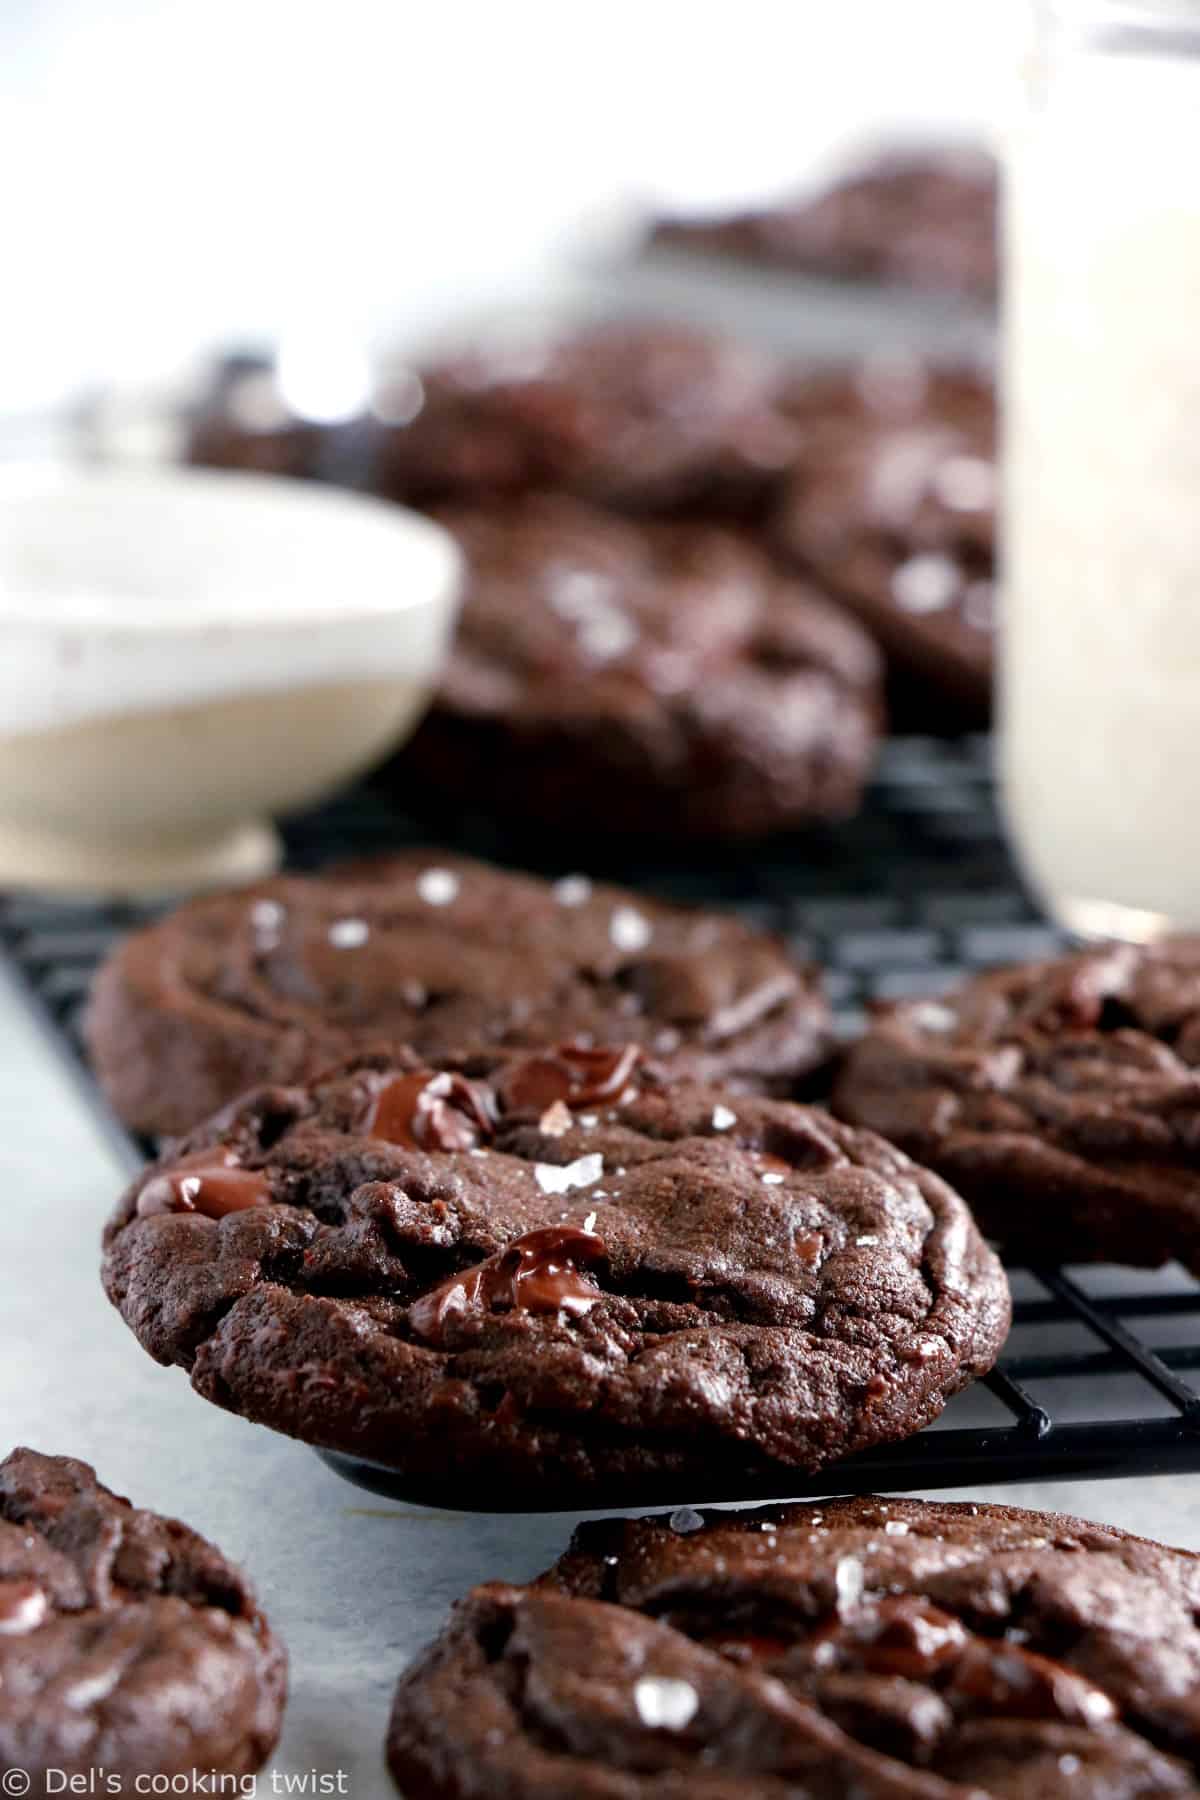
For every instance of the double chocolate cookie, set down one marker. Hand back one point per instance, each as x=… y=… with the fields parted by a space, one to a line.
x=556 y=1284
x=921 y=219
x=450 y=956
x=892 y=509
x=1061 y=1099
x=858 y=1648
x=129 y=1647
x=649 y=417
x=666 y=680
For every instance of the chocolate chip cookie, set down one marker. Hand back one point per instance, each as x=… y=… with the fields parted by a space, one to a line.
x=867 y=1648
x=651 y=417
x=556 y=1282
x=128 y=1644
x=451 y=956
x=919 y=219
x=1062 y=1099
x=892 y=510
x=664 y=680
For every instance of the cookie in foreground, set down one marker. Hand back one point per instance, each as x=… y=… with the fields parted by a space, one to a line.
x=858 y=1649
x=127 y=1643
x=556 y=1278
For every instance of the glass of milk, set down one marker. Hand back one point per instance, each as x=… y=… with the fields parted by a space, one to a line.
x=1100 y=684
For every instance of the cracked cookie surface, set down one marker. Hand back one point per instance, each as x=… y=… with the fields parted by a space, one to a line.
x=1061 y=1098
x=127 y=1642
x=858 y=1648
x=447 y=955
x=556 y=1275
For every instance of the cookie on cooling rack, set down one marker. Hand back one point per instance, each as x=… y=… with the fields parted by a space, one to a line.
x=1062 y=1099
x=891 y=509
x=557 y=1282
x=450 y=956
x=651 y=417
x=664 y=680
x=874 y=1648
x=909 y=218
x=128 y=1645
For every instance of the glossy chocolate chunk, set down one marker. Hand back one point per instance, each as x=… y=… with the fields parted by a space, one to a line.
x=539 y=1272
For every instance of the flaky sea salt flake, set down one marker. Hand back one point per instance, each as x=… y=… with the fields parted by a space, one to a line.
x=348 y=934
x=438 y=887
x=629 y=929
x=572 y=890
x=556 y=1178
x=685 y=1519
x=665 y=1703
x=848 y=1579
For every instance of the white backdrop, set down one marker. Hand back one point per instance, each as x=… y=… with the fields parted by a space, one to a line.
x=181 y=170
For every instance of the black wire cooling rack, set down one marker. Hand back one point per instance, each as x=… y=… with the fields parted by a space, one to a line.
x=1097 y=1378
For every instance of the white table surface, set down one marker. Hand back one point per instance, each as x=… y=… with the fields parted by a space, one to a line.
x=353 y=1585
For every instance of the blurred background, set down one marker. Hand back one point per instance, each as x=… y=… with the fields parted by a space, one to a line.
x=184 y=173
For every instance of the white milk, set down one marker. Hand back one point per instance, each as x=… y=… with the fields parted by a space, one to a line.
x=1101 y=667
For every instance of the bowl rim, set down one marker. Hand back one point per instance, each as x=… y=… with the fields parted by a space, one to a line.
x=434 y=580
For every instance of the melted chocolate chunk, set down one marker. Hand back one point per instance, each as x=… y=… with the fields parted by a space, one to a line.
x=907 y=1637
x=575 y=1074
x=206 y=1181
x=896 y=1636
x=752 y=1646
x=1015 y=1683
x=430 y=1110
x=537 y=1273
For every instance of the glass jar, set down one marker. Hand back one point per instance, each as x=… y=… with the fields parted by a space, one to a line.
x=1100 y=681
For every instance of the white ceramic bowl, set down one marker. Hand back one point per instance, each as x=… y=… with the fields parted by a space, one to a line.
x=184 y=654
